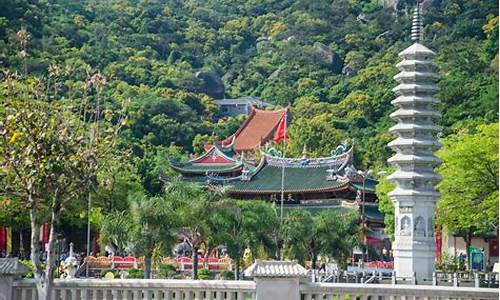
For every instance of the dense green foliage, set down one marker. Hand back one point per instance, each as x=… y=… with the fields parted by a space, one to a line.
x=469 y=189
x=150 y=52
x=332 y=61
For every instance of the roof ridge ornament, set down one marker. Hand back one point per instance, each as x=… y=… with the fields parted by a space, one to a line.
x=417 y=32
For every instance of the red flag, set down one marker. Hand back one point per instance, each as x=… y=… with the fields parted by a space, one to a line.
x=280 y=133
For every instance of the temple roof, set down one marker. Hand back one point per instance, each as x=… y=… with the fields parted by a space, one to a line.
x=216 y=159
x=297 y=180
x=257 y=129
x=301 y=175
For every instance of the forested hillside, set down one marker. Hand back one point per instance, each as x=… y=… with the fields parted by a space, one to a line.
x=333 y=61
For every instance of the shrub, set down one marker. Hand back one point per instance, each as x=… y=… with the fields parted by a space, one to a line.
x=166 y=271
x=135 y=273
x=227 y=275
x=28 y=264
x=205 y=274
x=116 y=273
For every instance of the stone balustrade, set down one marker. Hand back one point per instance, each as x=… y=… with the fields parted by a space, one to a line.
x=135 y=289
x=352 y=291
x=272 y=280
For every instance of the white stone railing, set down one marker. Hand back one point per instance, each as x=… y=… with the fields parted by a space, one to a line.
x=352 y=291
x=273 y=280
x=138 y=289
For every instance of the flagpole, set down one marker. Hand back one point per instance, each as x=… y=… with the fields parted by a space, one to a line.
x=283 y=172
x=283 y=180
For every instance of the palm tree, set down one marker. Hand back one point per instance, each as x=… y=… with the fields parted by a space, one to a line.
x=195 y=212
x=298 y=236
x=116 y=230
x=154 y=223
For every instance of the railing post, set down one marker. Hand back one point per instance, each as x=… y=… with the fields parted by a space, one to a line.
x=414 y=278
x=393 y=277
x=476 y=280
x=434 y=279
x=276 y=280
x=455 y=279
x=11 y=269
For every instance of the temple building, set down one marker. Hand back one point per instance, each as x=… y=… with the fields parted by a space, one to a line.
x=251 y=169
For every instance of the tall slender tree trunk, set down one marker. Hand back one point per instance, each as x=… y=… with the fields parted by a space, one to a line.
x=147 y=265
x=314 y=258
x=237 y=271
x=45 y=280
x=468 y=243
x=194 y=272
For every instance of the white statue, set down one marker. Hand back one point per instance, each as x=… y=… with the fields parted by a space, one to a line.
x=405 y=226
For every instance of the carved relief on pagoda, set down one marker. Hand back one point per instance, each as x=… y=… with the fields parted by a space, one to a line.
x=419 y=227
x=405 y=226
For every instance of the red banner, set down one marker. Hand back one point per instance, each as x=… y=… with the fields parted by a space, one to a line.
x=45 y=234
x=2 y=239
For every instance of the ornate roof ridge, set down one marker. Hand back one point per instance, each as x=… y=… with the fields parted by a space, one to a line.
x=335 y=159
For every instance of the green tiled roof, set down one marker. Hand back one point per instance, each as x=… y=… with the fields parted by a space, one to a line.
x=370 y=185
x=372 y=212
x=297 y=179
x=317 y=209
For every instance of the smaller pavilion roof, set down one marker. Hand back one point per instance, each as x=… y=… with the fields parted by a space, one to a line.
x=216 y=159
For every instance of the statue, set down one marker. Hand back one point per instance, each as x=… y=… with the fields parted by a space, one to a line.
x=405 y=226
x=419 y=227
x=70 y=263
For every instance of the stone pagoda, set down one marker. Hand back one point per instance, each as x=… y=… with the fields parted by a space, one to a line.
x=414 y=197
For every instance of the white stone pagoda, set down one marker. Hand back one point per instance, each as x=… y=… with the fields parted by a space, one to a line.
x=414 y=197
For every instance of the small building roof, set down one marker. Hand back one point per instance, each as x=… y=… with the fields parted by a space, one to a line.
x=257 y=129
x=216 y=159
x=272 y=268
x=12 y=266
x=249 y=100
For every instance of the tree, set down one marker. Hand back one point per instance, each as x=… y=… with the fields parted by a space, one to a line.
x=194 y=213
x=116 y=230
x=51 y=153
x=385 y=205
x=469 y=189
x=155 y=222
x=336 y=234
x=247 y=224
x=298 y=236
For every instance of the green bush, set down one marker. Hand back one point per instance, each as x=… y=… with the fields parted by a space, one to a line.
x=448 y=264
x=205 y=274
x=227 y=275
x=28 y=264
x=135 y=273
x=116 y=273
x=166 y=271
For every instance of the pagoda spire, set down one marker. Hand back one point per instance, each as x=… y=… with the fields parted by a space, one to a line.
x=414 y=197
x=417 y=32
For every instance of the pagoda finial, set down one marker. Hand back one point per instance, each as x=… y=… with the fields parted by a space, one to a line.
x=417 y=31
